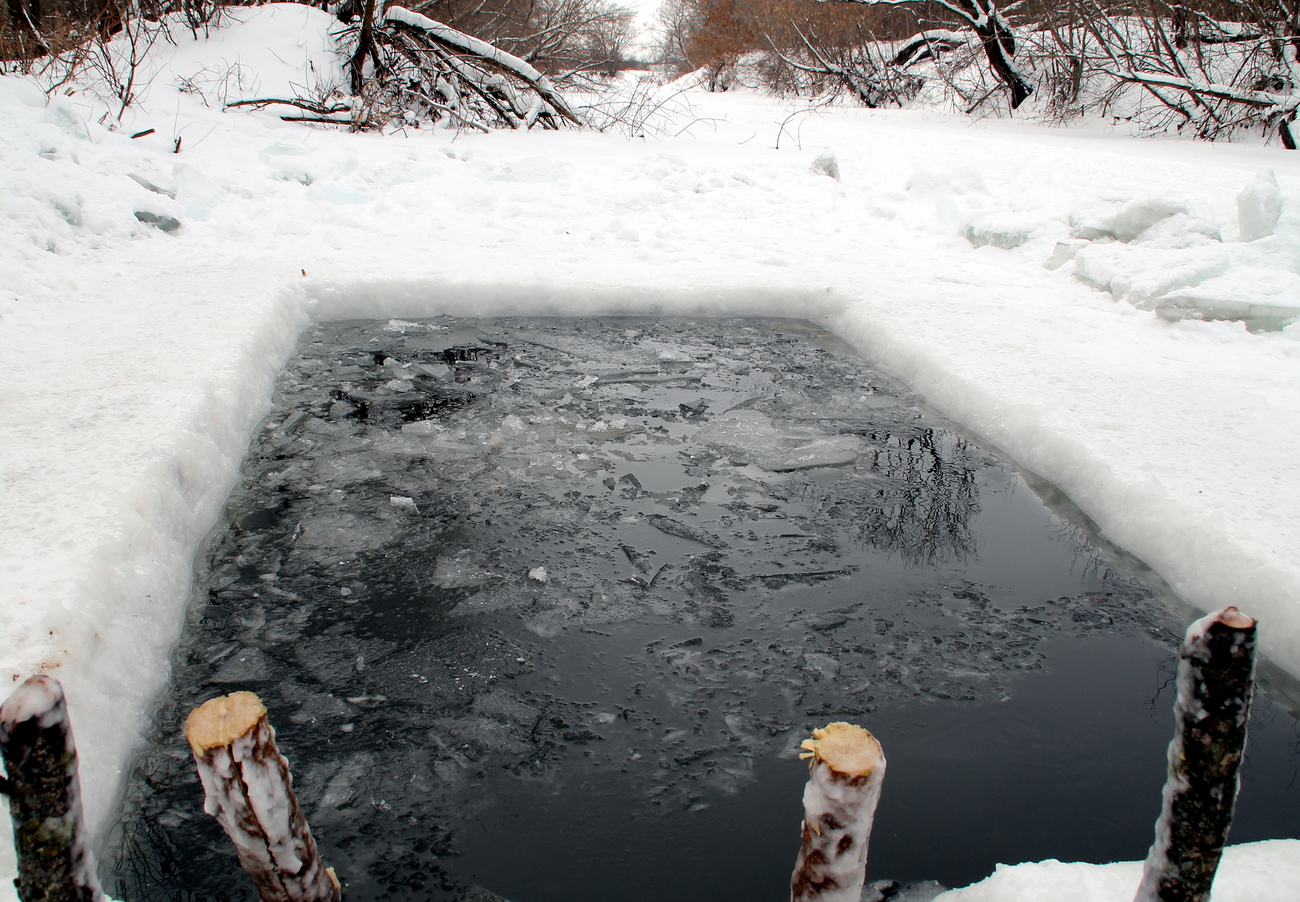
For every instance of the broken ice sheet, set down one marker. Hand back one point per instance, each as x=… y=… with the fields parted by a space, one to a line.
x=518 y=559
x=750 y=437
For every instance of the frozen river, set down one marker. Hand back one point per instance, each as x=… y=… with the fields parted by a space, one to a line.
x=541 y=609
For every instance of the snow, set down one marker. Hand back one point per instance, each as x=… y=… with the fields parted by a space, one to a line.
x=1252 y=872
x=141 y=359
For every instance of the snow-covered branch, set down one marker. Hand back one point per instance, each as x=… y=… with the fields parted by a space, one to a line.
x=459 y=41
x=995 y=35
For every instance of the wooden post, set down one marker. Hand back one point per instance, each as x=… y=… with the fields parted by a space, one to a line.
x=250 y=793
x=55 y=863
x=1216 y=680
x=846 y=769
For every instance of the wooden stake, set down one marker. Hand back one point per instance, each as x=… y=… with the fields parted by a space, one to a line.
x=1216 y=681
x=846 y=768
x=250 y=793
x=55 y=863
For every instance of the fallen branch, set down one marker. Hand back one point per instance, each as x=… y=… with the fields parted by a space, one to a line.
x=308 y=105
x=325 y=120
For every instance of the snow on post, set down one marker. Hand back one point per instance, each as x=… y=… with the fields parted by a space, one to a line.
x=250 y=793
x=846 y=769
x=1216 y=680
x=55 y=863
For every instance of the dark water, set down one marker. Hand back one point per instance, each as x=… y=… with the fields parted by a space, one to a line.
x=541 y=610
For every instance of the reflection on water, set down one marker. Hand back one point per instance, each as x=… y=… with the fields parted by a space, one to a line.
x=921 y=502
x=542 y=608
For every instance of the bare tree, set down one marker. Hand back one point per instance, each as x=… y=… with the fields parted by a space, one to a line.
x=865 y=50
x=993 y=31
x=1213 y=68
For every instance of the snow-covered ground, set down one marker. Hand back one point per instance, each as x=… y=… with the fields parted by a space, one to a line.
x=138 y=361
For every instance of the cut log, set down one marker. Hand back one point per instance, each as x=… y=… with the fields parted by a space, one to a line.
x=846 y=769
x=1216 y=681
x=55 y=863
x=250 y=793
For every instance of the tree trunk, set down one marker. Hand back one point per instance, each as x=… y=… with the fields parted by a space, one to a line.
x=250 y=793
x=24 y=19
x=365 y=45
x=846 y=768
x=1000 y=48
x=54 y=859
x=1216 y=680
x=1284 y=132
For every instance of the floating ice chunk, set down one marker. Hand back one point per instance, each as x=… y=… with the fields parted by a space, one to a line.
x=824 y=666
x=512 y=426
x=1143 y=275
x=1003 y=229
x=342 y=532
x=461 y=570
x=248 y=665
x=1259 y=205
x=665 y=352
x=341 y=787
x=753 y=437
x=422 y=428
x=320 y=706
x=538 y=574
x=683 y=531
x=403 y=503
x=827 y=620
x=613 y=428
x=828 y=452
x=506 y=706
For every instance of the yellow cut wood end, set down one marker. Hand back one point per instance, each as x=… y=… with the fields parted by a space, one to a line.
x=845 y=748
x=220 y=721
x=1231 y=617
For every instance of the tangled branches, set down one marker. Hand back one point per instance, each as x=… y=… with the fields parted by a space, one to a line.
x=424 y=70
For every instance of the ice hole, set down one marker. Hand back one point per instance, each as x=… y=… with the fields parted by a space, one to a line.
x=541 y=609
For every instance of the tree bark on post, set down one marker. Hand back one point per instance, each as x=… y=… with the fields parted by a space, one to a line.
x=55 y=863
x=1216 y=681
x=846 y=769
x=250 y=793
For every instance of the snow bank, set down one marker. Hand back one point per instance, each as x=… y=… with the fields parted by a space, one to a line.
x=140 y=358
x=1252 y=872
